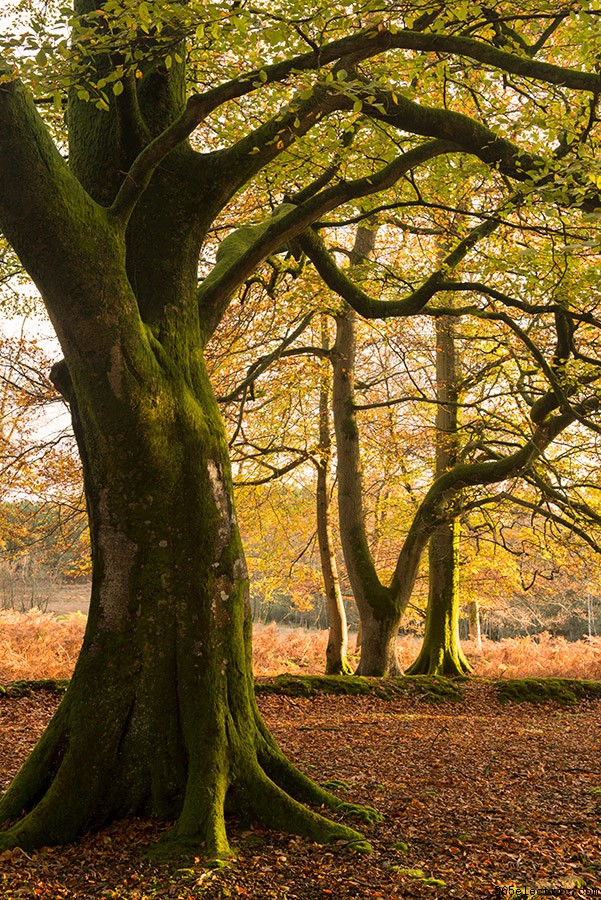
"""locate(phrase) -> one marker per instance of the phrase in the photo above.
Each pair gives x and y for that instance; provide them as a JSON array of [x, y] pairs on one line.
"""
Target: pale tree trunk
[[473, 612], [337, 649], [378, 610]]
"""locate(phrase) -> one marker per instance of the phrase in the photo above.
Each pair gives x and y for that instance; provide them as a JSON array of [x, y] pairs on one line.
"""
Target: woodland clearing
[[477, 795], [479, 798]]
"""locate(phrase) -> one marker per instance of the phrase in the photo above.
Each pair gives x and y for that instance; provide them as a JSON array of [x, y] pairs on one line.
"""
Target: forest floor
[[479, 799]]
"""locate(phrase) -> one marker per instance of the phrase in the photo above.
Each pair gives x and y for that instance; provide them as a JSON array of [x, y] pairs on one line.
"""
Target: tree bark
[[378, 609], [337, 649], [160, 716], [473, 611], [441, 652]]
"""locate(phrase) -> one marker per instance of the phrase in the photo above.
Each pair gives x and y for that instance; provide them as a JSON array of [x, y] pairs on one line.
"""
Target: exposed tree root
[[295, 783], [62, 795], [440, 661]]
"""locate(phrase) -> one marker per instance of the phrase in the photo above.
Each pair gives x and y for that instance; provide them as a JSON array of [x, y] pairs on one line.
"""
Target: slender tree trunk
[[377, 605], [441, 652], [473, 612], [337, 649]]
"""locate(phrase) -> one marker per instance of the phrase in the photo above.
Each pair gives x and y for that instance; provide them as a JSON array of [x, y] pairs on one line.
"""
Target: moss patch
[[432, 689], [24, 688], [544, 690]]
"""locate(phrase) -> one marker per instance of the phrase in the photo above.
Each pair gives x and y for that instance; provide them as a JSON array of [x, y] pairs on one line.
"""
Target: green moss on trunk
[[441, 652], [160, 716]]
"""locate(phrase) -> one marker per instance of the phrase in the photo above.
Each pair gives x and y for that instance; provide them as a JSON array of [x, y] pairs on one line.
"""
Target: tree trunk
[[473, 612], [160, 716], [441, 652], [337, 649], [378, 609]]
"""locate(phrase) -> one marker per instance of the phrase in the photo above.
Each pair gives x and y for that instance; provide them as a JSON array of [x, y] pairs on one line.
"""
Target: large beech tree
[[160, 716]]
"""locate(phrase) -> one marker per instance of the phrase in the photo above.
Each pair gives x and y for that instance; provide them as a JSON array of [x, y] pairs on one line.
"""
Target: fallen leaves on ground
[[476, 796]]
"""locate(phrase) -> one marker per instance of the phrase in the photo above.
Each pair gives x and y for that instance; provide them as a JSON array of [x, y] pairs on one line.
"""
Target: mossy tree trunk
[[160, 716], [441, 652], [337, 649]]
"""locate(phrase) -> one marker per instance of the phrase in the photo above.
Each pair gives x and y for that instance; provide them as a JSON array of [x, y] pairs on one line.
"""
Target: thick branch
[[504, 60], [58, 231], [288, 221]]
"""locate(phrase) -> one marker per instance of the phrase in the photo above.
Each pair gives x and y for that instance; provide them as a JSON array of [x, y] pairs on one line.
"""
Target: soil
[[480, 799]]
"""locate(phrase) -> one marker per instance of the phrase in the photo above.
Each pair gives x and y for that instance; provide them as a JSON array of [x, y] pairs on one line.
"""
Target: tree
[[336, 651], [441, 652], [435, 520], [112, 240]]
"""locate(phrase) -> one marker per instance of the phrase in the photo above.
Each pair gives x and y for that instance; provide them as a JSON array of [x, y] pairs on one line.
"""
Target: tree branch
[[250, 245]]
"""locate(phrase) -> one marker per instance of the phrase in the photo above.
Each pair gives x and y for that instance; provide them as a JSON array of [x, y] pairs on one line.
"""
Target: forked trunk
[[379, 655], [378, 605]]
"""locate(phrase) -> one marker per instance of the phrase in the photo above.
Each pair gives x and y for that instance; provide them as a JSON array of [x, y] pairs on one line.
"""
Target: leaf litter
[[478, 796]]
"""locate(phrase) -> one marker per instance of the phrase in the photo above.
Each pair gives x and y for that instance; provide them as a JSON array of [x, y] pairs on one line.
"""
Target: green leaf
[[41, 57], [118, 88]]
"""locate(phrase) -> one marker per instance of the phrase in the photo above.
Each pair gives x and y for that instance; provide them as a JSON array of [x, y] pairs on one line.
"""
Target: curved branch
[[548, 514], [410, 305], [430, 512], [255, 243]]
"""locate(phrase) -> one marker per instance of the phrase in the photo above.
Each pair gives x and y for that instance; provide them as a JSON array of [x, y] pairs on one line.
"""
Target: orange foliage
[[539, 656], [43, 645], [39, 645]]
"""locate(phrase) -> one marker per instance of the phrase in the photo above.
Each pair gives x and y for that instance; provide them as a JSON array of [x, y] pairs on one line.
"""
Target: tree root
[[294, 782], [74, 781], [441, 662], [275, 808]]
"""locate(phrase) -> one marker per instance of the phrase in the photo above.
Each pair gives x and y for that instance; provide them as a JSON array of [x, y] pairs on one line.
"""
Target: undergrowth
[[38, 645]]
